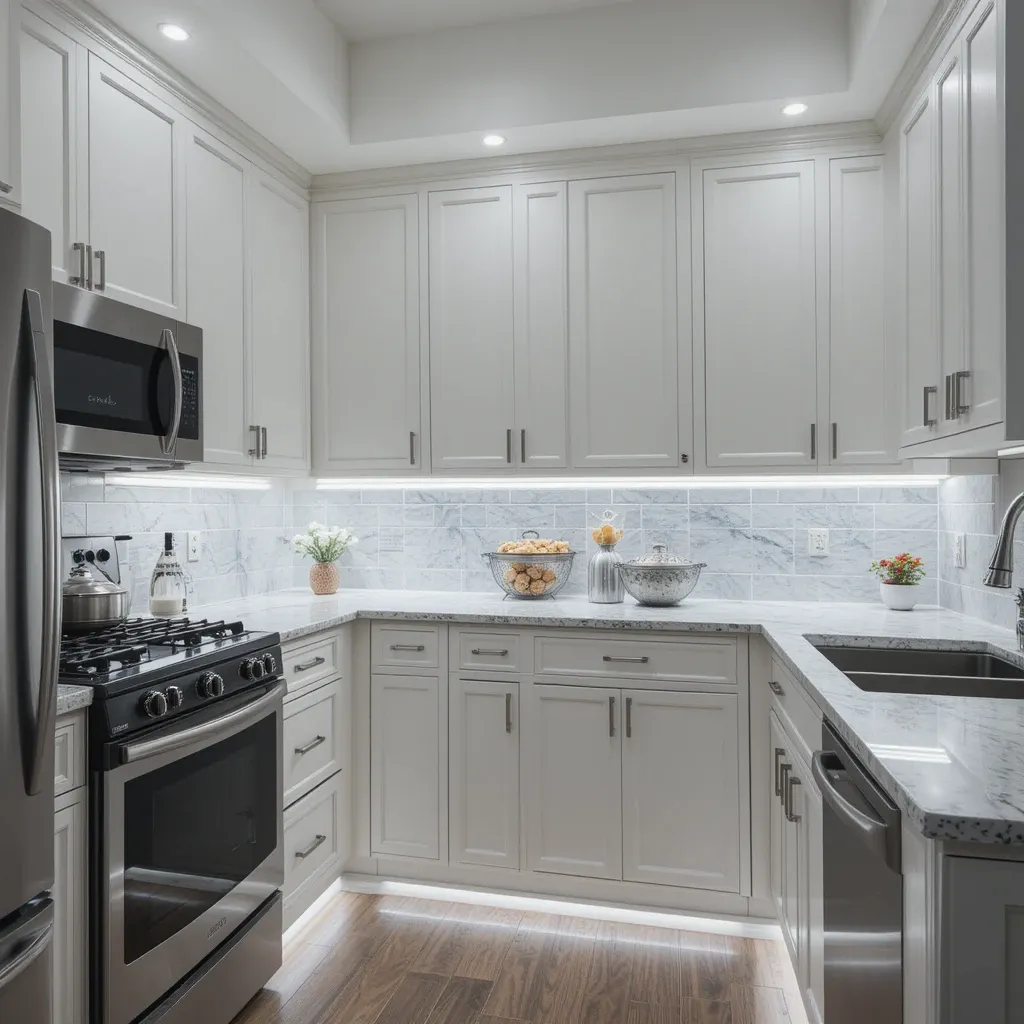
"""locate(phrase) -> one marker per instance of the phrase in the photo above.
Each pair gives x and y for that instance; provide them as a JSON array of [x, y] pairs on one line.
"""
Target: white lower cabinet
[[484, 773], [70, 952], [405, 763], [680, 789], [574, 789]]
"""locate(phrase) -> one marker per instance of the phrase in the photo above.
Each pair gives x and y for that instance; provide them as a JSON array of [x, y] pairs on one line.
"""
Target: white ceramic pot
[[899, 597]]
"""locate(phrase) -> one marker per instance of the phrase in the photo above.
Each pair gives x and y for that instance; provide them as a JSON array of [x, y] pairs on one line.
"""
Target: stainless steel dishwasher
[[863, 890]]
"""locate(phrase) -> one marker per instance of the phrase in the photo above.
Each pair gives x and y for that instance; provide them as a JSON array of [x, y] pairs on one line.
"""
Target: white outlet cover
[[960, 551], [817, 543], [194, 546]]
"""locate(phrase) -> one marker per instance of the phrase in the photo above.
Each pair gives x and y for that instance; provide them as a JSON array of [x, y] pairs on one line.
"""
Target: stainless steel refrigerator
[[29, 621]]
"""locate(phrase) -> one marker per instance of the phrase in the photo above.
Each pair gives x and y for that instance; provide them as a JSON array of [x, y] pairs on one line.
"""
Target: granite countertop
[[954, 765], [72, 698]]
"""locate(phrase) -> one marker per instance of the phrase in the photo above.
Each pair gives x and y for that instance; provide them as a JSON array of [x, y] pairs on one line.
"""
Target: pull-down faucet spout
[[1000, 568]]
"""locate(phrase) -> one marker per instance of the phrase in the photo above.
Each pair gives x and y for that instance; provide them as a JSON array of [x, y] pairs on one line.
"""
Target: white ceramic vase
[[899, 597]]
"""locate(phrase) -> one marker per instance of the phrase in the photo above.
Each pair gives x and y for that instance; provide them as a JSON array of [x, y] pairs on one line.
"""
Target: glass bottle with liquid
[[168, 586]]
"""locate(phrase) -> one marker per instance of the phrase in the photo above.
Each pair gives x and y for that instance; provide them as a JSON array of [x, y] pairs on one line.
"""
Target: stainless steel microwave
[[128, 384]]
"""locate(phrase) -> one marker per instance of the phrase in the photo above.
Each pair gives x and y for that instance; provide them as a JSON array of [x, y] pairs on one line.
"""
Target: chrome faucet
[[1000, 566]]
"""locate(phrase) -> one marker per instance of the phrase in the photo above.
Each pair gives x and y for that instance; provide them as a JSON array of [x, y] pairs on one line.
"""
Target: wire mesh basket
[[530, 576]]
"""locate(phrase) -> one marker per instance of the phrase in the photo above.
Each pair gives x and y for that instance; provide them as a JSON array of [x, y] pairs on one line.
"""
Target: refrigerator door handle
[[40, 766], [33, 950]]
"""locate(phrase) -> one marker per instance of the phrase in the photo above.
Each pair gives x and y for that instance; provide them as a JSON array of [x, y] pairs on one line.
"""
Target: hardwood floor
[[397, 960]]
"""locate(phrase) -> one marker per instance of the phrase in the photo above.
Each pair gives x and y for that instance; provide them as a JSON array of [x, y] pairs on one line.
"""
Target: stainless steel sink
[[936, 673]]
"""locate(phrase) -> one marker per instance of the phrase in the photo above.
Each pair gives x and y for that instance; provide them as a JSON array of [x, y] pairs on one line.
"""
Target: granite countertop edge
[[72, 698]]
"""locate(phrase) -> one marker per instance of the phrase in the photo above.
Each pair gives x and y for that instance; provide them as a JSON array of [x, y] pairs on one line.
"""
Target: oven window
[[195, 829]]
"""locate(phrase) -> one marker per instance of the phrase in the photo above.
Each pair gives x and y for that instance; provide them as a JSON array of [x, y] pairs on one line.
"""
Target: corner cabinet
[[10, 103], [366, 328]]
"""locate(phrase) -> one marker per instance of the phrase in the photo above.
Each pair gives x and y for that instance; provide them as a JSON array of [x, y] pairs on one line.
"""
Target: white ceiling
[[581, 73], [371, 19]]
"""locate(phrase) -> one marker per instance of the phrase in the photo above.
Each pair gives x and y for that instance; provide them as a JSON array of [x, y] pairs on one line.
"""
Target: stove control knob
[[252, 668], [175, 698], [210, 685], [269, 664], [155, 704]]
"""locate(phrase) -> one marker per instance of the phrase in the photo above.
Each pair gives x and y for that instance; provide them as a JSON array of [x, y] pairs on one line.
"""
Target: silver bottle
[[604, 584]]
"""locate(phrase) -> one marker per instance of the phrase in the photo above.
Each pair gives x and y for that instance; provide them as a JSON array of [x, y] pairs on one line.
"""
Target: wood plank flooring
[[397, 960]]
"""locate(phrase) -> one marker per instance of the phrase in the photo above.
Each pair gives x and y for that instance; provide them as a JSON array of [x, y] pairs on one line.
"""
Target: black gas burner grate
[[98, 660]]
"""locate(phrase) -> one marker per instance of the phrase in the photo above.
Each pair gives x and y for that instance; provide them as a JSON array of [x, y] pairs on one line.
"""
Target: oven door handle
[[171, 440], [161, 745]]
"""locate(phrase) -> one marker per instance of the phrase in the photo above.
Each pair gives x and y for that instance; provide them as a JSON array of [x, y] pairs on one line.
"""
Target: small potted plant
[[325, 545], [900, 577]]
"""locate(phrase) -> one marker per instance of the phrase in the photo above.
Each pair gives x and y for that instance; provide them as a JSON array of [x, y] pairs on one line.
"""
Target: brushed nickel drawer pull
[[776, 688], [784, 770], [416, 648], [790, 783], [412, 447], [497, 653], [79, 247], [611, 716], [642, 660], [779, 752], [927, 420], [629, 717], [311, 745], [306, 666], [508, 712], [318, 842], [6, 188]]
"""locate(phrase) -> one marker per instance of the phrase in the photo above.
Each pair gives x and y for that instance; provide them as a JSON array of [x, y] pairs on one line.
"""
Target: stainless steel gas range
[[186, 816]]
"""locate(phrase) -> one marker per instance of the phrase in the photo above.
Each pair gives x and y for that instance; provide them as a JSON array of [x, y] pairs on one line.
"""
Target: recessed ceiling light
[[494, 140], [792, 109], [175, 32]]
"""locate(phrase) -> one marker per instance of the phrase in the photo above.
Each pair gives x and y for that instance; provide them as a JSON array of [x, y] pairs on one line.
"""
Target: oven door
[[126, 383], [191, 844]]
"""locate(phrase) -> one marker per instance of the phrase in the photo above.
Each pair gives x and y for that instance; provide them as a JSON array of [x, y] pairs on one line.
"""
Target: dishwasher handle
[[875, 833]]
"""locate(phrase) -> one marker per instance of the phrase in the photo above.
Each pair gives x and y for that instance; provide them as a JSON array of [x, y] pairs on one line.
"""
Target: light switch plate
[[817, 543], [960, 550], [195, 545]]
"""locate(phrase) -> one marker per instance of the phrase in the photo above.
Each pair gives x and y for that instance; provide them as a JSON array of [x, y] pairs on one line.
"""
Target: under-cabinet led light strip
[[210, 481]]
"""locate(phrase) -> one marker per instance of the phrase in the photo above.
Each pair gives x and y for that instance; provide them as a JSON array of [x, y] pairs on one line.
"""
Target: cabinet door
[[574, 788], [10, 102], [541, 327], [367, 332], [70, 955], [986, 330], [50, 139], [471, 341], [623, 338], [862, 419], [218, 293], [279, 256], [680, 789], [484, 773], [760, 331], [922, 393], [814, 904], [795, 866], [405, 750], [783, 762], [135, 193]]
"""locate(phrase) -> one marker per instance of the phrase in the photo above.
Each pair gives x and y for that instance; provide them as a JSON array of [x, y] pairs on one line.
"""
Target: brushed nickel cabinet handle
[[416, 648], [497, 653], [79, 247], [88, 267], [311, 745], [629, 717], [784, 769], [776, 688], [6, 188], [307, 665], [791, 782], [412, 447], [508, 712], [508, 446], [611, 716], [779, 752], [318, 842], [927, 421], [254, 453], [949, 396], [959, 405], [628, 661], [101, 257], [263, 435], [522, 445], [835, 441], [814, 441]]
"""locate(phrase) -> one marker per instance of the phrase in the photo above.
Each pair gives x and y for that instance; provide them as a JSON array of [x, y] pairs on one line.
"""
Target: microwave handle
[[171, 440]]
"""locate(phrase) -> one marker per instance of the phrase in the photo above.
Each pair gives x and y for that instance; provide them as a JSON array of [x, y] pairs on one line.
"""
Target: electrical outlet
[[817, 543], [195, 545], [960, 551]]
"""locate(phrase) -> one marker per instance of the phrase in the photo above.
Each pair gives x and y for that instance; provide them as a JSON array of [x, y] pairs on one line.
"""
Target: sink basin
[[891, 662], [938, 686]]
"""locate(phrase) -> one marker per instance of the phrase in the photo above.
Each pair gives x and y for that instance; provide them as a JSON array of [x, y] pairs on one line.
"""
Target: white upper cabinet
[[541, 327], [759, 315], [217, 282], [366, 347], [50, 140], [136, 193], [10, 102], [623, 337], [862, 417], [279, 256], [472, 405]]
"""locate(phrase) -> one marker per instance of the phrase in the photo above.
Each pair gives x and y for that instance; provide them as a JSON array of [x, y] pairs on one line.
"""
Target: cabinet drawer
[[490, 652], [712, 662], [69, 753], [314, 741], [312, 663], [311, 836], [404, 647], [797, 709]]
